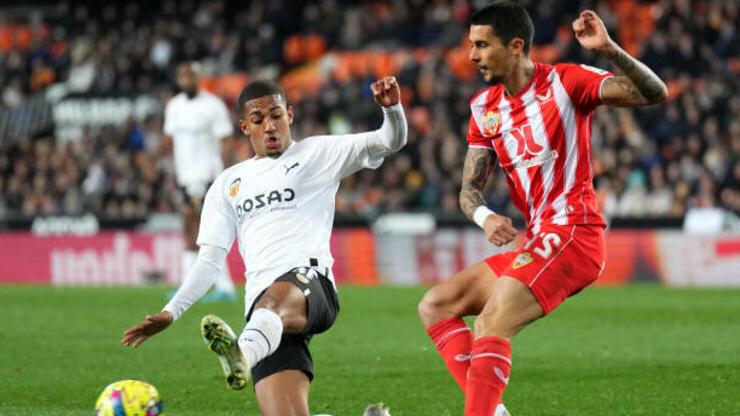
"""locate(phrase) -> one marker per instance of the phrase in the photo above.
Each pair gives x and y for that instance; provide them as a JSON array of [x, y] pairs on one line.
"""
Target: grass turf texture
[[637, 350]]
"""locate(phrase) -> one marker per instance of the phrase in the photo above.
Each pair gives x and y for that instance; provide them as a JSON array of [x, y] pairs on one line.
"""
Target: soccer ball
[[129, 398]]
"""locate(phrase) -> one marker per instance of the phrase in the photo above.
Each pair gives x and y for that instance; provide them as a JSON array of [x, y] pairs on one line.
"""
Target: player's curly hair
[[509, 20], [260, 88]]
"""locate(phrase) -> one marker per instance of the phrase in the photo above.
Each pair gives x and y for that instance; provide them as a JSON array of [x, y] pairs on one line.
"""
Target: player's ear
[[243, 127], [516, 46], [290, 114]]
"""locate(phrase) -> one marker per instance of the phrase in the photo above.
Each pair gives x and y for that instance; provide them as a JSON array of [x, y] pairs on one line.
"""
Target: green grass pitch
[[636, 350]]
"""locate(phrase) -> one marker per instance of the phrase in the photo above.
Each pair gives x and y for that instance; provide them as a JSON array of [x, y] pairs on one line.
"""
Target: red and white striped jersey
[[542, 137]]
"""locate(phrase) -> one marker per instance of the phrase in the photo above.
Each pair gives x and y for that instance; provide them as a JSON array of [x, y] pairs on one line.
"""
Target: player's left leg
[[284, 394], [510, 309]]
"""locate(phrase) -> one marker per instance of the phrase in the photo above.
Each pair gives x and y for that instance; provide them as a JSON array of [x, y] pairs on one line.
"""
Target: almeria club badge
[[522, 260], [491, 122]]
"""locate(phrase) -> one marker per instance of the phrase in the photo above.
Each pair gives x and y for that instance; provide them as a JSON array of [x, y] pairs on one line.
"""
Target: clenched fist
[[386, 91], [591, 33], [499, 230]]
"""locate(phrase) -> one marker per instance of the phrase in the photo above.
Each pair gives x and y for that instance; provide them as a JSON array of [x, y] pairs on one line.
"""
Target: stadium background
[[86, 200]]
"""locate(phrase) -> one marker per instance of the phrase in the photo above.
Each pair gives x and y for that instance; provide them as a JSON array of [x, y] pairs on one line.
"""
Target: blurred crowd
[[650, 162]]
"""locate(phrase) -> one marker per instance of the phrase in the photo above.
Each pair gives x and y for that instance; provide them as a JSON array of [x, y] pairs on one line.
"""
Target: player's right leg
[[442, 308], [512, 307]]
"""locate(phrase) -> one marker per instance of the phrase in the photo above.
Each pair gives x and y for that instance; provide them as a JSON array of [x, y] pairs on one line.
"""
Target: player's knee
[[431, 307], [426, 304], [493, 323], [294, 323]]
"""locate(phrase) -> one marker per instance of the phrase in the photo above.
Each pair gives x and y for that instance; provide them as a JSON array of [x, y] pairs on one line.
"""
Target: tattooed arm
[[639, 86], [476, 170]]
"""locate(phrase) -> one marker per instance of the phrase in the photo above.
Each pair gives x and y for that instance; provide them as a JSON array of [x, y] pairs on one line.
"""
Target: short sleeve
[[475, 137], [583, 84], [222, 125], [217, 221], [169, 122]]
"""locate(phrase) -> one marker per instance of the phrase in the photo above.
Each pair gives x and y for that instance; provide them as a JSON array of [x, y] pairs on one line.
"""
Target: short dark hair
[[509, 20], [260, 88]]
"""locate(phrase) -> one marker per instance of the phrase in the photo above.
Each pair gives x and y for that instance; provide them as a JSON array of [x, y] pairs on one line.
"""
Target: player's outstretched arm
[[639, 86], [197, 282], [477, 168], [352, 152], [394, 131]]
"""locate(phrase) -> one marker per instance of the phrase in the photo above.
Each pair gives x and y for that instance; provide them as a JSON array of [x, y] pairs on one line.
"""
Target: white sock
[[223, 280], [187, 262], [261, 336]]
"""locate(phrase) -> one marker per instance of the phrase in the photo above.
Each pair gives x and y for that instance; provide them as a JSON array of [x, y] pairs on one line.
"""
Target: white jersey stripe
[[567, 116], [478, 108], [534, 116], [511, 148]]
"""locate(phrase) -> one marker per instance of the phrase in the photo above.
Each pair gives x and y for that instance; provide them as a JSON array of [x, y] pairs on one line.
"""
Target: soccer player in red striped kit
[[536, 118]]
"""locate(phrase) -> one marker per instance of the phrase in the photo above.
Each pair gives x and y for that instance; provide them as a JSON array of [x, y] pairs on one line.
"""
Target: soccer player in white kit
[[279, 205], [198, 128]]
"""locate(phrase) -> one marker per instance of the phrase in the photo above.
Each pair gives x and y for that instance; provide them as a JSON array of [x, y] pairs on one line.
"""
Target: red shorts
[[556, 263]]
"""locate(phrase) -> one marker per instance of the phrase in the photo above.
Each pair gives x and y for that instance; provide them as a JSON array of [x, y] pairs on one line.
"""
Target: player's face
[[493, 59], [267, 123], [187, 79]]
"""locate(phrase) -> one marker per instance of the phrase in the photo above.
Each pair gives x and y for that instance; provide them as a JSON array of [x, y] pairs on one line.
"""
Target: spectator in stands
[[648, 162]]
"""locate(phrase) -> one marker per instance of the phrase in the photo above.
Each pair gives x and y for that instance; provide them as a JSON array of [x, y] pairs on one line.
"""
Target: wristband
[[480, 215]]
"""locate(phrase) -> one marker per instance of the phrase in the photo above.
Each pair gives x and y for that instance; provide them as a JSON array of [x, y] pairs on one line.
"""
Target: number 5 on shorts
[[549, 241]]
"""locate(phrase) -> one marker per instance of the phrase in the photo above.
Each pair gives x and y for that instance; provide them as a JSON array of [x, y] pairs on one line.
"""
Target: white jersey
[[281, 210], [197, 126]]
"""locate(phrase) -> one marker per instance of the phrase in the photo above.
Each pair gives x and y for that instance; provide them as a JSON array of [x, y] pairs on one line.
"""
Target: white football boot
[[377, 409], [501, 410]]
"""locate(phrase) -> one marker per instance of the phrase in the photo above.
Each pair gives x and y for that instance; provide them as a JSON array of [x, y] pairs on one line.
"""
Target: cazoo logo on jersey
[[528, 152], [268, 201]]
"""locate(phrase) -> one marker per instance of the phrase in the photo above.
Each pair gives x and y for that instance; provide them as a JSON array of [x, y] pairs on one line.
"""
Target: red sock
[[490, 364], [454, 340]]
